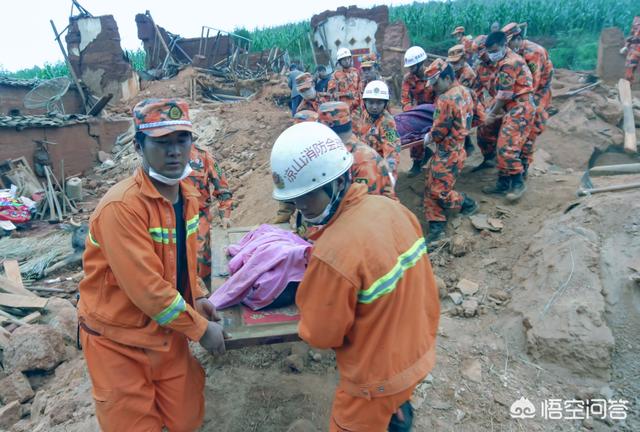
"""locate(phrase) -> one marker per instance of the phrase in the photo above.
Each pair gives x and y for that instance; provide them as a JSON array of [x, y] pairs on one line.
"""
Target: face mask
[[497, 56], [456, 66], [321, 218], [170, 181], [309, 94]]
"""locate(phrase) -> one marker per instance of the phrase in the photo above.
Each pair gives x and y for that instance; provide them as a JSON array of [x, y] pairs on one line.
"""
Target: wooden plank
[[22, 302], [12, 270], [243, 335], [630, 142], [7, 285], [12, 319]]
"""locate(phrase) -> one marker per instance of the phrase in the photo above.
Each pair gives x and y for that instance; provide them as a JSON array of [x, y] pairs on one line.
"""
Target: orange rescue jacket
[[369, 293], [129, 292]]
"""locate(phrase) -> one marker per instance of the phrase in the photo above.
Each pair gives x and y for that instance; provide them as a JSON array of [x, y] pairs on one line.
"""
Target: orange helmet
[[457, 30]]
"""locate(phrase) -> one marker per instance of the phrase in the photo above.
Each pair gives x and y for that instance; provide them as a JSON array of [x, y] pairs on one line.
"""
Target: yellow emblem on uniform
[[175, 113]]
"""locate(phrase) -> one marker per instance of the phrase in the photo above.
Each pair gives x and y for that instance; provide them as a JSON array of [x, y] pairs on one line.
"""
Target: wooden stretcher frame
[[243, 335]]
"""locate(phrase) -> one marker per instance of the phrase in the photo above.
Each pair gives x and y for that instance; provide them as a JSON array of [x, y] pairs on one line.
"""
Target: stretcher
[[247, 327]]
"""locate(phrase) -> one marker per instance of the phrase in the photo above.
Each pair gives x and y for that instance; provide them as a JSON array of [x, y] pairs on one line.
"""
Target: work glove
[[213, 339], [623, 50], [427, 139], [205, 308]]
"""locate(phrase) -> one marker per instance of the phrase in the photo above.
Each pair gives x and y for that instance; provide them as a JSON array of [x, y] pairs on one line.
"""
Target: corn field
[[569, 28], [434, 21]]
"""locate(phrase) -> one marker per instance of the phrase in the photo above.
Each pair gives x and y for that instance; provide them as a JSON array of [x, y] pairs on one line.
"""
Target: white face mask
[[320, 219], [456, 66], [309, 94], [170, 181], [498, 55]]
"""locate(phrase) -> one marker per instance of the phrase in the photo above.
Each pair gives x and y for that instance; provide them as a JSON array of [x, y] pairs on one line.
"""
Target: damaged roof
[[51, 120], [14, 82]]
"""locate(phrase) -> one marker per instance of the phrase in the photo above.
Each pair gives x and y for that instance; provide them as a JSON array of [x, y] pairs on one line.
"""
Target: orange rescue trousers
[[356, 414], [138, 390]]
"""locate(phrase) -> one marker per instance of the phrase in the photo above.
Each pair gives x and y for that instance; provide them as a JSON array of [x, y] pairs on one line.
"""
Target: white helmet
[[343, 53], [307, 156], [413, 56], [376, 90]]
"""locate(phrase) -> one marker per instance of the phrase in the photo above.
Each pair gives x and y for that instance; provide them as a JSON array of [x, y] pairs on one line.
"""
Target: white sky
[[27, 39]]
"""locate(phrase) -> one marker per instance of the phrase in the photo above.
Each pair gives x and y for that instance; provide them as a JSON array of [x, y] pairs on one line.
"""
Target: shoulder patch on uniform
[[533, 67]]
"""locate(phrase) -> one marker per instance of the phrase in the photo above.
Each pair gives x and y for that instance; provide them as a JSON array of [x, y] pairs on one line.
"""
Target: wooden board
[[630, 143], [12, 270], [242, 333], [22, 302], [9, 286]]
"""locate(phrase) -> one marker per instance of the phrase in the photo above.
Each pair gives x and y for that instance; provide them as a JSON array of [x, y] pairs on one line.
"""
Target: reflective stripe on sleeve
[[172, 311], [387, 283]]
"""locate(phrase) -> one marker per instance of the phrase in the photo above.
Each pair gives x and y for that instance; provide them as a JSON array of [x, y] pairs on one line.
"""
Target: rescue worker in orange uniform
[[415, 91], [378, 127], [485, 92], [369, 69], [632, 50], [344, 84], [368, 291], [541, 68], [464, 73], [368, 167], [209, 179], [452, 122], [466, 76], [465, 40], [140, 302], [311, 99], [514, 102]]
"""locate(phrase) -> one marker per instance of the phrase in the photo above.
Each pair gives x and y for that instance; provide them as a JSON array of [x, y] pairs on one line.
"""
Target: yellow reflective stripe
[[92, 240], [192, 225], [161, 235], [388, 282], [172, 311]]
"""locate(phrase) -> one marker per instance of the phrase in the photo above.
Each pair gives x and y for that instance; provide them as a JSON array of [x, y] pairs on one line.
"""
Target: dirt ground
[[556, 312]]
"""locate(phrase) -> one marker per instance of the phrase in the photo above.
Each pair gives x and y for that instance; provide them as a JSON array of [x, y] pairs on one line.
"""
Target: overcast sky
[[27, 38]]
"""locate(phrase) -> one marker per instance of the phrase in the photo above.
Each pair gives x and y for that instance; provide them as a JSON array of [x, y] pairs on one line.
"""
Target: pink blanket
[[263, 263]]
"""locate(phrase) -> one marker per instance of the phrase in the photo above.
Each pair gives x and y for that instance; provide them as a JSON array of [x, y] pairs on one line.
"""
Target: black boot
[[503, 185], [469, 206], [525, 168], [518, 187], [468, 145], [436, 231], [416, 168], [427, 155], [489, 161]]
